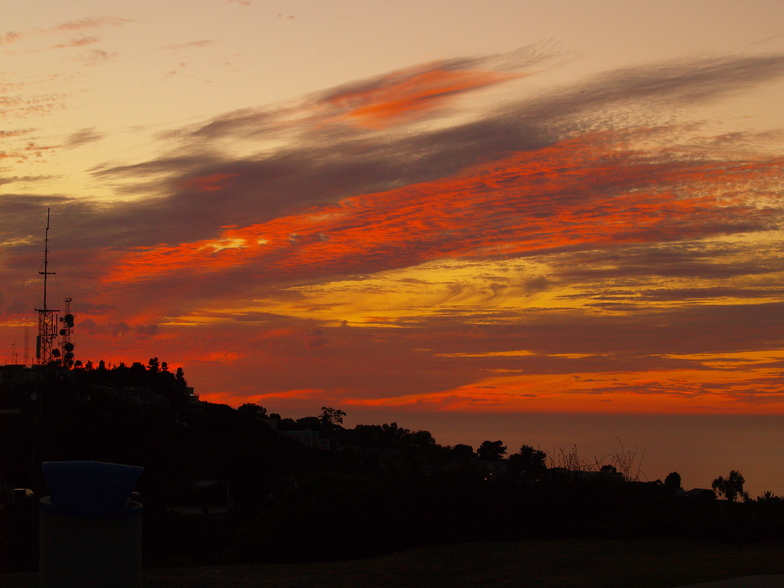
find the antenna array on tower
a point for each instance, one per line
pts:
(46, 350)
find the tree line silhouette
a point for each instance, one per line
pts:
(362, 491)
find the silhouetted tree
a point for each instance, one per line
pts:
(137, 372)
(377, 437)
(250, 409)
(673, 481)
(331, 417)
(730, 487)
(416, 442)
(462, 451)
(529, 463)
(491, 451)
(393, 432)
(311, 422)
(769, 498)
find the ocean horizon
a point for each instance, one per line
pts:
(699, 447)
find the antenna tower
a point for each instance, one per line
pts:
(45, 352)
(65, 335)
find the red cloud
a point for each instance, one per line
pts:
(209, 183)
(410, 92)
(578, 193)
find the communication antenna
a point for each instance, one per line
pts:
(45, 352)
(67, 347)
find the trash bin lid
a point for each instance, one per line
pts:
(90, 485)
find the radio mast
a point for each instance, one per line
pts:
(47, 325)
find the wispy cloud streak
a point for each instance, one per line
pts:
(582, 248)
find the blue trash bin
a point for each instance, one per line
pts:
(90, 530)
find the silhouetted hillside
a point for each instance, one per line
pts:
(224, 485)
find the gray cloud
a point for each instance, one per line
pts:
(350, 161)
(96, 57)
(111, 329)
(323, 161)
(83, 137)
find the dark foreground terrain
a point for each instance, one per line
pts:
(559, 563)
(236, 497)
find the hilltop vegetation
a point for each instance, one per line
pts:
(310, 489)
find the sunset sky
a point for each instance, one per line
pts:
(413, 207)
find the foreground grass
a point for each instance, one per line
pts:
(558, 563)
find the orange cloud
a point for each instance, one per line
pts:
(10, 37)
(684, 392)
(577, 193)
(411, 92)
(89, 23)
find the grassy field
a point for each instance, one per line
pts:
(559, 563)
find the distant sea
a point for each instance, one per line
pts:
(698, 447)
